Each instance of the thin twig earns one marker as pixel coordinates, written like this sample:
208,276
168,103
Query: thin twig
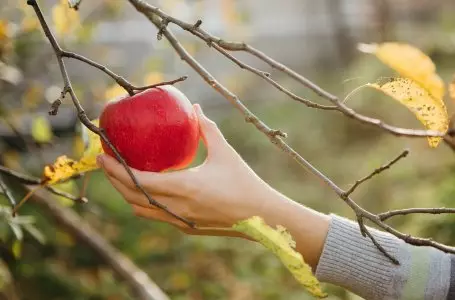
377,171
170,82
211,40
407,211
59,54
28,180
363,229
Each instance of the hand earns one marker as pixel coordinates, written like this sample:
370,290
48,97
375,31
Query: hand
218,193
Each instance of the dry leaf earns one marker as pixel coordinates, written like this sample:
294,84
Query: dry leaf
409,62
428,110
4,31
64,168
280,242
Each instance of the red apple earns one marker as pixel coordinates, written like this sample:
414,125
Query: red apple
154,130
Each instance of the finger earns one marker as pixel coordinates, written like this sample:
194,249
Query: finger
211,135
112,168
160,215
170,183
123,189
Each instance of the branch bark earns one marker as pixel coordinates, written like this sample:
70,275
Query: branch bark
161,21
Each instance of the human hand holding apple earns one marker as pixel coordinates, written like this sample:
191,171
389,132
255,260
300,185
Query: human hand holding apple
158,130
216,194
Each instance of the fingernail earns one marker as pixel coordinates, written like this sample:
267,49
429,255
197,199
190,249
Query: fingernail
99,160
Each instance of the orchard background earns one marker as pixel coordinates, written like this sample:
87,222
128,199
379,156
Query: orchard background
317,38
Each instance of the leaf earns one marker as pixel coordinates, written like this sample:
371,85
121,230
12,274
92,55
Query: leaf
41,130
4,31
16,230
409,62
65,18
428,110
33,231
64,168
280,242
17,248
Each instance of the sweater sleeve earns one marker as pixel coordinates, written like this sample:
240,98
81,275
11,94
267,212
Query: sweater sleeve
352,261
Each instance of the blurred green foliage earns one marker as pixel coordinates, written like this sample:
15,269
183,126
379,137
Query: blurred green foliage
188,267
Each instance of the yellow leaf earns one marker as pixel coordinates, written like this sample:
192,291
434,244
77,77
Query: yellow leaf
409,62
64,167
4,31
428,110
65,19
41,130
93,142
280,242
17,248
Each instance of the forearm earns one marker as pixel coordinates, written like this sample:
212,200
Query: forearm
308,227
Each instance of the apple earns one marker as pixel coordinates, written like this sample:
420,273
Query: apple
154,130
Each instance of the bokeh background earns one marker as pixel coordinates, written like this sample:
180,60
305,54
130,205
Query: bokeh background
317,38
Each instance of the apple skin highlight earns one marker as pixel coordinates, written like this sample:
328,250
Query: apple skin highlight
155,130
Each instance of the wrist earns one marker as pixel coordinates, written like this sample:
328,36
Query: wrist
308,228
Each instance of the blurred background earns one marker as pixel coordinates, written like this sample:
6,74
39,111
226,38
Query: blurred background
316,38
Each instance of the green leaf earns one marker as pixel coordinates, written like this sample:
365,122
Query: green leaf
280,242
17,231
33,231
17,248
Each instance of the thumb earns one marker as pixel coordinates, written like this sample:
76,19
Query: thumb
212,136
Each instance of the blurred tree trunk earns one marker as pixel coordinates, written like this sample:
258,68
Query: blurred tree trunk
142,286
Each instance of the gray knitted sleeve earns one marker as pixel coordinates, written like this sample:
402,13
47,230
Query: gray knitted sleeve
351,261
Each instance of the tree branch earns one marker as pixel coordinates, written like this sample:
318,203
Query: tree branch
150,11
407,211
143,287
129,88
59,53
376,172
161,21
28,180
